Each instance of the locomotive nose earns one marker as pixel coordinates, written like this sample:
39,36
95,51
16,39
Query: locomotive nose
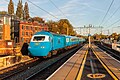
39,49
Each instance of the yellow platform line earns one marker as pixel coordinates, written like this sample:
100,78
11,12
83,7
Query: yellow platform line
108,70
82,67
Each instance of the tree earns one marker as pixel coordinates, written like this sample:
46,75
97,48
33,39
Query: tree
3,12
19,12
11,7
38,19
114,36
53,26
64,26
26,11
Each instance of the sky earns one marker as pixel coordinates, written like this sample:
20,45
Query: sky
78,12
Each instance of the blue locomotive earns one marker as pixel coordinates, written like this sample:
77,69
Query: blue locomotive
47,43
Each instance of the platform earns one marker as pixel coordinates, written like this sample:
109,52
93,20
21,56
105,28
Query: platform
110,64
71,67
74,68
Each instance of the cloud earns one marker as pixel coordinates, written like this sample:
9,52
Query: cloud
3,2
3,8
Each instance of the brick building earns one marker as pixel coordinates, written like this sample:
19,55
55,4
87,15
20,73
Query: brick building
28,29
11,28
5,27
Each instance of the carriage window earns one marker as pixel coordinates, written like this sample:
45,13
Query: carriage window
58,40
39,38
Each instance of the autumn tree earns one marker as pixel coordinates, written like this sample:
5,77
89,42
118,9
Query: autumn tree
62,27
38,19
114,35
26,11
3,12
118,37
19,11
11,7
65,27
53,27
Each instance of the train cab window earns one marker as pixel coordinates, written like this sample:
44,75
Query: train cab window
50,39
39,38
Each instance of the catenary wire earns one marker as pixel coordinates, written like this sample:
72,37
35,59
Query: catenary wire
114,23
59,9
42,9
106,13
112,15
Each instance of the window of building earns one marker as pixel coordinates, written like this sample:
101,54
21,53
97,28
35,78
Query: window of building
22,39
35,28
1,28
1,36
22,27
31,28
22,33
7,20
27,33
31,34
27,27
1,20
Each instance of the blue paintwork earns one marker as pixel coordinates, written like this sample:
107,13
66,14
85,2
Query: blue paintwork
55,42
35,48
68,42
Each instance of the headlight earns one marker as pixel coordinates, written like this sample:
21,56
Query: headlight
29,47
42,46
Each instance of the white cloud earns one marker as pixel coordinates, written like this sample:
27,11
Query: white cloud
3,8
3,2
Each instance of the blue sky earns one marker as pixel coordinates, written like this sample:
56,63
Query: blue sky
78,12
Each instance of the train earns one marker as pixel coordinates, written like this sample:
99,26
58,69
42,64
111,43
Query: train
45,43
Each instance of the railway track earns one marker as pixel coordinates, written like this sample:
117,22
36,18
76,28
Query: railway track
41,67
110,51
17,68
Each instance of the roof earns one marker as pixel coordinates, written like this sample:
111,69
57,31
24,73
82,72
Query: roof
47,33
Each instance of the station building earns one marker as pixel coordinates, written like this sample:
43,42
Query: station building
20,31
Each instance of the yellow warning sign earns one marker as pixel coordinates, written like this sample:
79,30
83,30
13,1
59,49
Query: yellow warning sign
97,75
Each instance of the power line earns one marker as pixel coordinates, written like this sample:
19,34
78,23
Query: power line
114,23
112,15
106,12
57,8
42,9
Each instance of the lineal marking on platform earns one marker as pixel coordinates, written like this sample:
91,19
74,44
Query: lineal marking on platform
110,72
63,64
82,67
